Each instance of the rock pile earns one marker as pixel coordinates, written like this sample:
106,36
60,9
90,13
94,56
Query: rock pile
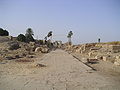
13,45
13,50
42,49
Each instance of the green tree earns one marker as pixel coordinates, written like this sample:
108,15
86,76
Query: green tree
4,32
1,32
29,38
29,35
98,40
29,31
49,34
21,38
69,37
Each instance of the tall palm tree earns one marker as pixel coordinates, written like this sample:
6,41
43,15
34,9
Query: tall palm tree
98,40
29,31
29,35
69,37
50,35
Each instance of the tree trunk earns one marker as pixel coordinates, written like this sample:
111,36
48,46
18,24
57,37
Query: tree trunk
69,41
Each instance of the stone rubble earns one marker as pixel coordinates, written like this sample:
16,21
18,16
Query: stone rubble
99,51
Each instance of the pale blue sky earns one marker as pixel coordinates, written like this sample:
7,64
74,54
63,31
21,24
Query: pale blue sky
88,19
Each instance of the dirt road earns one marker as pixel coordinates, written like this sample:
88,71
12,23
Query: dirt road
62,72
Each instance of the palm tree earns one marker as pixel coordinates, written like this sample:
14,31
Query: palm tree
45,38
69,37
98,40
29,31
50,35
29,35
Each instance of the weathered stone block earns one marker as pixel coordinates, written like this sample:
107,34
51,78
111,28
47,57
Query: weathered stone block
117,63
108,58
118,57
99,57
42,49
38,49
92,60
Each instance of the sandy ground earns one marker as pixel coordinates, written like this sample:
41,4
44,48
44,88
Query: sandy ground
62,72
103,67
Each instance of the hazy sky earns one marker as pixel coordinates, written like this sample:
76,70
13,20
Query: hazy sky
88,19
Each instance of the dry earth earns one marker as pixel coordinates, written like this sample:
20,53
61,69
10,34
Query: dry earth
62,72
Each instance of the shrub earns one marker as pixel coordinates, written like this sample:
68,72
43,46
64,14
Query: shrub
4,32
21,38
29,35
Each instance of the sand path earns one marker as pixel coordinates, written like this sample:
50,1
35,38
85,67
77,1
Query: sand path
62,72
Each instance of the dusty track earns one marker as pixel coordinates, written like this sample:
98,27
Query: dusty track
62,72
